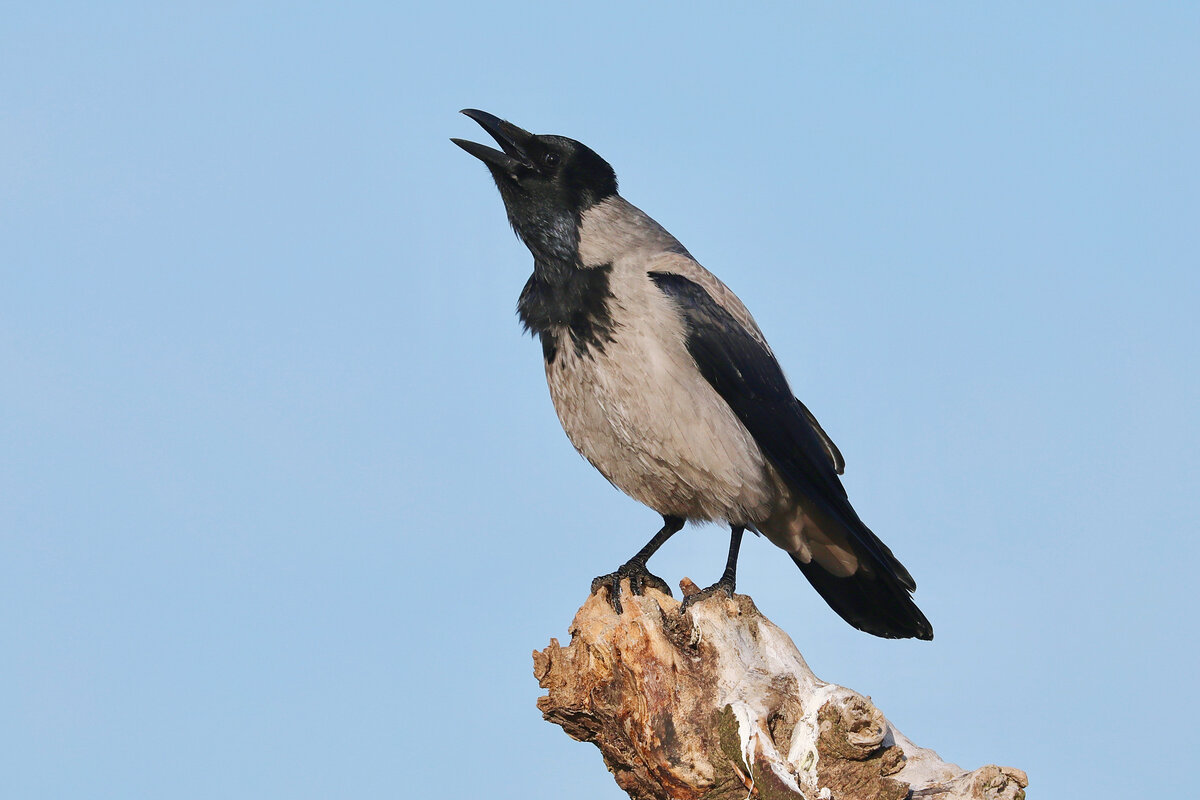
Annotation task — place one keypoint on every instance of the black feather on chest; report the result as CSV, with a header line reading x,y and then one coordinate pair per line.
x,y
569,307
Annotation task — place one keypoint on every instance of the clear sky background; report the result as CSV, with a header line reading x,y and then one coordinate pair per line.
x,y
284,507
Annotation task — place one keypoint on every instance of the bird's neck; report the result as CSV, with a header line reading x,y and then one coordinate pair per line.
x,y
551,235
615,228
568,307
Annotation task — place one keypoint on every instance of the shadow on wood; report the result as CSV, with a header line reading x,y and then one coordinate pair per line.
x,y
718,703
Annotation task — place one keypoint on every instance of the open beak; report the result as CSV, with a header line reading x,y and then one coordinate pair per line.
x,y
512,140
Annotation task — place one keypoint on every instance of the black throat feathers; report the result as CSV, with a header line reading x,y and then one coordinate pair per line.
x,y
568,306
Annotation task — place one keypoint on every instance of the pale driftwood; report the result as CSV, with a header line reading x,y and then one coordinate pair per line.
x,y
718,703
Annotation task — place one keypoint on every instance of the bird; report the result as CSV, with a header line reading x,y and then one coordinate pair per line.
x,y
664,382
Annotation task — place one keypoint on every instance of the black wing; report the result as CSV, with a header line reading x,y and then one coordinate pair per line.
x,y
747,376
835,456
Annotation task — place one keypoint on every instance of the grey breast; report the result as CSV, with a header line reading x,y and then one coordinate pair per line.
x,y
637,407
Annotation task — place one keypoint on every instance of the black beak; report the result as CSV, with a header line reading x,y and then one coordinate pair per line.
x,y
512,140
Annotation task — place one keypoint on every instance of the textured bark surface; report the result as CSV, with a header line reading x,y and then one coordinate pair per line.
x,y
718,703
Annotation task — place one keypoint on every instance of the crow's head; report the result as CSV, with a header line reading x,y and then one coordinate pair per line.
x,y
546,182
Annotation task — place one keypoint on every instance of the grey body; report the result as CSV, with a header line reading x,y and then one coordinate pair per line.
x,y
664,382
644,416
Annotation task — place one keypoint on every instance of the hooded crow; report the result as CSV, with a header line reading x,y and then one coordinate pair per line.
x,y
663,381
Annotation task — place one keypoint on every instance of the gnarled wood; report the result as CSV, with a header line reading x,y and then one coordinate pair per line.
x,y
719,704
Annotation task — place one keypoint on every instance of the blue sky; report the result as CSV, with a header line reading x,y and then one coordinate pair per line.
x,y
284,506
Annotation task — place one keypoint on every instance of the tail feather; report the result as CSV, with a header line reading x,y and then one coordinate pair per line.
x,y
872,600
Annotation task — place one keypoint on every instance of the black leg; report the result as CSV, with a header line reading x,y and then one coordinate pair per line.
x,y
728,578
635,568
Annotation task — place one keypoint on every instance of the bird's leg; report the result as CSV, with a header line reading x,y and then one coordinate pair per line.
x,y
635,568
728,577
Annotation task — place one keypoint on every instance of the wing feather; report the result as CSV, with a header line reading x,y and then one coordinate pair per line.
x,y
742,369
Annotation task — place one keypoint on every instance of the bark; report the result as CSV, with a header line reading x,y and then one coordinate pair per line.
x,y
719,704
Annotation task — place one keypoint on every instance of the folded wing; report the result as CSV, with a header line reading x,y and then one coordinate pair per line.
x,y
741,368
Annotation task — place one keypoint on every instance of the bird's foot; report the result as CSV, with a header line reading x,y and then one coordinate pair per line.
x,y
639,578
724,586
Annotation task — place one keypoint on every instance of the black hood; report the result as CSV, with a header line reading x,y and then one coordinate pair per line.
x,y
546,182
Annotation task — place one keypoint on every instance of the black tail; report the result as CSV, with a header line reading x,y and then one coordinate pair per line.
x,y
872,600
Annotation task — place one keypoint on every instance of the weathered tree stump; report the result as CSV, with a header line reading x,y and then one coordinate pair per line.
x,y
718,703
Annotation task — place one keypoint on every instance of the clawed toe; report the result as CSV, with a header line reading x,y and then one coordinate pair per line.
x,y
639,579
612,582
639,582
722,586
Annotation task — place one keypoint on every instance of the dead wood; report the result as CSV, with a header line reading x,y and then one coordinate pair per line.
x,y
719,704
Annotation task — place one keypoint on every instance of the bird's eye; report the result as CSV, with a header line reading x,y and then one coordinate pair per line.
x,y
550,159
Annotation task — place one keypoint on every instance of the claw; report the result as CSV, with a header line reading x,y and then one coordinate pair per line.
x,y
639,579
611,581
722,585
